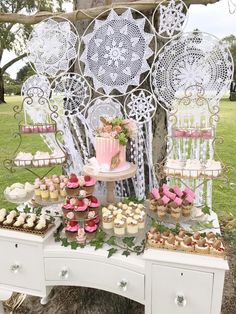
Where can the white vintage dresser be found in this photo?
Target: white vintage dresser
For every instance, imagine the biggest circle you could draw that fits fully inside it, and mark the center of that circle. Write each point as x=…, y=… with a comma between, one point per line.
x=165, y=282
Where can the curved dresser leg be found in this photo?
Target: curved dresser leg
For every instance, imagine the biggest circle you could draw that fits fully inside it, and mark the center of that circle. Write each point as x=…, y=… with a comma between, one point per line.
x=46, y=299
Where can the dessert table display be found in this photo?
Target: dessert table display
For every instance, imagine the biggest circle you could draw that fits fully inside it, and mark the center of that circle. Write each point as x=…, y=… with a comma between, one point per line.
x=150, y=234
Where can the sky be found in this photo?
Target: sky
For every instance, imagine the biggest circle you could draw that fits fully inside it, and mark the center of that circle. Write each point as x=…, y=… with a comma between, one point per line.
x=213, y=18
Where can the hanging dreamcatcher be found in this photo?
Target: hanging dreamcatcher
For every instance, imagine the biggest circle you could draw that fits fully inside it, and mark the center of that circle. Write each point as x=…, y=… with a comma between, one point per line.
x=116, y=51
x=52, y=46
x=140, y=106
x=170, y=18
x=192, y=59
x=70, y=96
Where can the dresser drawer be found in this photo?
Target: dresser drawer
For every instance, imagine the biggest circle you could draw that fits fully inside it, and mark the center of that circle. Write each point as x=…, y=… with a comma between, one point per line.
x=21, y=265
x=80, y=272
x=176, y=290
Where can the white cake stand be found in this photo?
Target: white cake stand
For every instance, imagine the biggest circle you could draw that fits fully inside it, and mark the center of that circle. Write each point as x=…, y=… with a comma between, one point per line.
x=111, y=177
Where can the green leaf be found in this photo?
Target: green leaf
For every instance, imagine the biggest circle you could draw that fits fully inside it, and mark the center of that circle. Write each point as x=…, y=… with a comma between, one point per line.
x=111, y=252
x=64, y=242
x=206, y=210
x=111, y=240
x=116, y=121
x=122, y=138
x=97, y=244
x=74, y=245
x=126, y=253
x=129, y=241
x=100, y=235
x=27, y=209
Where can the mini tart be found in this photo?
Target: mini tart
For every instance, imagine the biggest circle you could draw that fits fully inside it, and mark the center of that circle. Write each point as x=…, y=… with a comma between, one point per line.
x=159, y=244
x=202, y=247
x=217, y=248
x=196, y=237
x=171, y=243
x=187, y=245
x=180, y=236
x=210, y=238
x=119, y=227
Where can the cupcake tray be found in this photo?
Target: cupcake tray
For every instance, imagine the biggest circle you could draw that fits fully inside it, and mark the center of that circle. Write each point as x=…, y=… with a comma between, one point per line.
x=49, y=202
x=31, y=231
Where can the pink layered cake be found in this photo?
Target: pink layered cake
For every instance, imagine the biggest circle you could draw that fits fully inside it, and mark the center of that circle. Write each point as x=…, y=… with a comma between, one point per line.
x=111, y=140
x=108, y=149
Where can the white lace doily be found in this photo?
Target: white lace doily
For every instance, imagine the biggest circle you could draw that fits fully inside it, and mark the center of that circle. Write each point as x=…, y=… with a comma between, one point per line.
x=102, y=107
x=70, y=93
x=52, y=46
x=116, y=51
x=140, y=106
x=37, y=81
x=192, y=59
x=170, y=18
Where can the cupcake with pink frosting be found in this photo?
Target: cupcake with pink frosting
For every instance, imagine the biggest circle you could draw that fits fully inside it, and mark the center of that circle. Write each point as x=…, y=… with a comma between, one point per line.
x=91, y=224
x=72, y=226
x=72, y=186
x=89, y=184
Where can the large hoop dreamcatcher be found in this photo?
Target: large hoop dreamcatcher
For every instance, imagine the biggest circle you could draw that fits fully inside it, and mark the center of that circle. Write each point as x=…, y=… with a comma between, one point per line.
x=70, y=96
x=52, y=46
x=116, y=51
x=192, y=59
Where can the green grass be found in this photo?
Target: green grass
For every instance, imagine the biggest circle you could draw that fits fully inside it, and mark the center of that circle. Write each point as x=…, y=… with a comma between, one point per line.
x=224, y=198
x=8, y=145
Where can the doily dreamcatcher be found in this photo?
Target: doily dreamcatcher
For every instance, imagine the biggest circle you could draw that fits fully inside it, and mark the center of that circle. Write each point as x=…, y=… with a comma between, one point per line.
x=52, y=46
x=70, y=93
x=102, y=107
x=190, y=60
x=38, y=81
x=116, y=51
x=70, y=96
x=140, y=106
x=170, y=18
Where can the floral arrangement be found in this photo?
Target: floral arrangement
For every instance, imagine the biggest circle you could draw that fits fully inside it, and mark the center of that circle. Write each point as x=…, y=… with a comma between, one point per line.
x=117, y=128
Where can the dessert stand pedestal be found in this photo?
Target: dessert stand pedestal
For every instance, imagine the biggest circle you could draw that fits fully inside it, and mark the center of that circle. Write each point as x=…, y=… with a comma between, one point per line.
x=110, y=178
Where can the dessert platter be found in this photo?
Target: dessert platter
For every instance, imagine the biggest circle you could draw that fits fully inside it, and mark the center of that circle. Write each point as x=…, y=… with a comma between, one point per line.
x=20, y=221
x=196, y=243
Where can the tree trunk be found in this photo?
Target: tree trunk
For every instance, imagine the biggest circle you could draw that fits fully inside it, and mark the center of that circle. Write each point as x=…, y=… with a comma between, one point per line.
x=2, y=99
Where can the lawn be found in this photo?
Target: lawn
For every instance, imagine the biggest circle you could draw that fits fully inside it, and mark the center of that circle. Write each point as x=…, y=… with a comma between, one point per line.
x=224, y=198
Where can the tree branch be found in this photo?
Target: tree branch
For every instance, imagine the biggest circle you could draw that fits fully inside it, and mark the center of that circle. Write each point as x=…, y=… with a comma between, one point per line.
x=91, y=13
x=10, y=63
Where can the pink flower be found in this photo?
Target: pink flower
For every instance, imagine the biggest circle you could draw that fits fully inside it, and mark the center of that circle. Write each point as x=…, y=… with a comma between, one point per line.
x=117, y=129
x=132, y=128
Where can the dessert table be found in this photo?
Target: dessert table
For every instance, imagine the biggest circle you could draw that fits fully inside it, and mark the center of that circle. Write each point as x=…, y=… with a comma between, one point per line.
x=110, y=178
x=164, y=281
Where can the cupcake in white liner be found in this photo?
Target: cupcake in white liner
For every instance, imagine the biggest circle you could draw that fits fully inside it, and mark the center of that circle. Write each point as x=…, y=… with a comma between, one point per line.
x=119, y=227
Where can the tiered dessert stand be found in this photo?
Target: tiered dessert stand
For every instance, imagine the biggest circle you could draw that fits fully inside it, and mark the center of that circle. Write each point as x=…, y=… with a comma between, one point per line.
x=34, y=98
